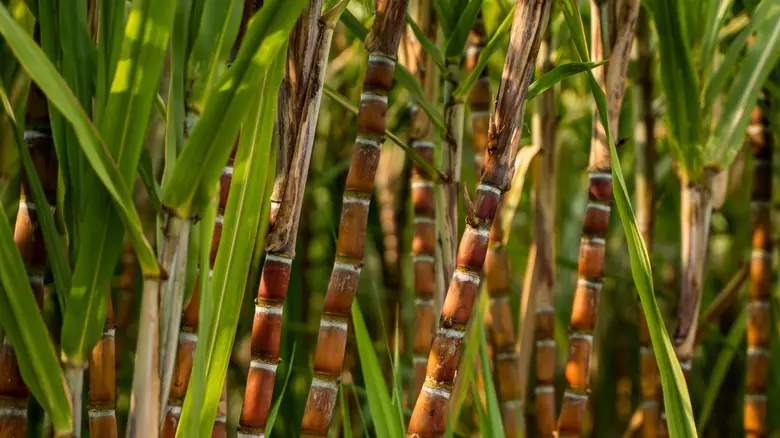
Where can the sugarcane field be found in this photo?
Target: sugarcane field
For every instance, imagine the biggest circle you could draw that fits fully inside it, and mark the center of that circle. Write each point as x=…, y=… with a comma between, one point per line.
x=389, y=218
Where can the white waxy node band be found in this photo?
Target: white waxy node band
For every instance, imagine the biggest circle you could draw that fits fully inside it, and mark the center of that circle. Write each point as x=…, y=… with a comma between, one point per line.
x=427, y=302
x=188, y=337
x=466, y=277
x=333, y=324
x=174, y=410
x=329, y=385
x=482, y=234
x=423, y=144
x=268, y=310
x=221, y=419
x=278, y=259
x=260, y=365
x=423, y=259
x=600, y=207
x=364, y=141
x=424, y=220
x=549, y=343
x=357, y=200
x=600, y=175
x=369, y=97
x=417, y=360
x=435, y=391
x=383, y=59
x=250, y=435
x=489, y=188
x=109, y=333
x=450, y=333
x=13, y=412
x=589, y=284
x=102, y=413
x=227, y=170
x=544, y=389
x=480, y=114
x=583, y=336
x=341, y=266
x=575, y=396
x=422, y=184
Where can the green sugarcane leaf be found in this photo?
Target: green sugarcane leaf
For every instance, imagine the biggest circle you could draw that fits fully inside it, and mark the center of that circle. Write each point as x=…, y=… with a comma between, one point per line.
x=679, y=413
x=495, y=41
x=216, y=34
x=57, y=91
x=680, y=86
x=193, y=179
x=274, y=411
x=112, y=22
x=429, y=47
x=725, y=143
x=714, y=85
x=129, y=104
x=402, y=75
x=146, y=172
x=552, y=77
x=466, y=366
x=491, y=398
x=174, y=128
x=24, y=326
x=717, y=13
x=722, y=363
x=55, y=250
x=457, y=38
x=246, y=217
x=386, y=423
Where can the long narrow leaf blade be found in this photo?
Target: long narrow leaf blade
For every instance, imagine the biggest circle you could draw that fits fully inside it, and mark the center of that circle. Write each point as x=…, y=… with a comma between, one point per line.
x=23, y=324
x=677, y=402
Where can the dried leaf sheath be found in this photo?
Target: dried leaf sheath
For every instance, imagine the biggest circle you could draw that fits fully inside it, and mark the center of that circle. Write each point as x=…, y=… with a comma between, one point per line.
x=430, y=411
x=480, y=96
x=590, y=268
x=382, y=44
x=28, y=237
x=423, y=206
x=759, y=305
x=188, y=333
x=102, y=382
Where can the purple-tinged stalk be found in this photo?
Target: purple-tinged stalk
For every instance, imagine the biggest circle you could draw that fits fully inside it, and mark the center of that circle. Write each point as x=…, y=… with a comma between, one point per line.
x=382, y=44
x=429, y=417
x=590, y=269
x=480, y=95
x=759, y=305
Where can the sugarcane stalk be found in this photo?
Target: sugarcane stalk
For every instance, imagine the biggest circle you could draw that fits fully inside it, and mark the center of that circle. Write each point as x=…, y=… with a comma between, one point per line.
x=143, y=420
x=645, y=199
x=220, y=422
x=590, y=268
x=538, y=331
x=382, y=44
x=759, y=306
x=126, y=285
x=429, y=417
x=480, y=95
x=102, y=382
x=423, y=204
x=187, y=336
x=28, y=237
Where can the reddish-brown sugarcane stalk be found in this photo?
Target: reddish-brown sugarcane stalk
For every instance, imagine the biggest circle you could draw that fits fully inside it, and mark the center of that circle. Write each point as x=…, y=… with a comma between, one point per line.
x=759, y=306
x=102, y=382
x=541, y=265
x=645, y=198
x=423, y=204
x=382, y=44
x=590, y=268
x=188, y=332
x=480, y=96
x=280, y=242
x=28, y=238
x=429, y=417
x=220, y=422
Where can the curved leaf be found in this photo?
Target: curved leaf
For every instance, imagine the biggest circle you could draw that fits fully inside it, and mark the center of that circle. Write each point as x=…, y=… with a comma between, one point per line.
x=24, y=326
